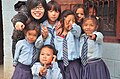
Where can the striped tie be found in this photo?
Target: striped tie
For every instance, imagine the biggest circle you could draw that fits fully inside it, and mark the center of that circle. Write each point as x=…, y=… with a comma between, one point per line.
x=52, y=34
x=65, y=53
x=35, y=55
x=84, y=51
x=43, y=77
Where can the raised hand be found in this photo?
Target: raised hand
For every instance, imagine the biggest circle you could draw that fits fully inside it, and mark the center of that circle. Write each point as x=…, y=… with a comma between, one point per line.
x=44, y=30
x=19, y=26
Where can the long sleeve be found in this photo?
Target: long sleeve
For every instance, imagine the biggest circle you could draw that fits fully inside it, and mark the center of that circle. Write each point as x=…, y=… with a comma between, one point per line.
x=39, y=42
x=76, y=31
x=54, y=73
x=17, y=53
x=99, y=38
x=35, y=70
x=19, y=17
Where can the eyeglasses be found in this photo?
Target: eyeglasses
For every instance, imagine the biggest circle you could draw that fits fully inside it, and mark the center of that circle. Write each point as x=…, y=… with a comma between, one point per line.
x=38, y=7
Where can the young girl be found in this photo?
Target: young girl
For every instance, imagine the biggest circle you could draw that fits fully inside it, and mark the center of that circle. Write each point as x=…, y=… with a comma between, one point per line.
x=24, y=51
x=32, y=10
x=54, y=11
x=67, y=43
x=91, y=50
x=47, y=67
x=80, y=12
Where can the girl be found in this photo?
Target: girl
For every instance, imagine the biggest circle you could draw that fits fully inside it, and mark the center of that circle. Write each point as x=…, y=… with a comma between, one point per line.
x=33, y=10
x=66, y=44
x=47, y=67
x=54, y=11
x=80, y=12
x=93, y=66
x=24, y=52
x=92, y=10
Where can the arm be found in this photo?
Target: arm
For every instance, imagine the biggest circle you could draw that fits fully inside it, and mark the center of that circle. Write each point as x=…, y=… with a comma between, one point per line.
x=36, y=69
x=56, y=71
x=76, y=31
x=39, y=42
x=17, y=53
x=22, y=15
x=99, y=37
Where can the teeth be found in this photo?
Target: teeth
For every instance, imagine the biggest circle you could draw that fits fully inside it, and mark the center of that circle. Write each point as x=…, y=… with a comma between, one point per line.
x=37, y=14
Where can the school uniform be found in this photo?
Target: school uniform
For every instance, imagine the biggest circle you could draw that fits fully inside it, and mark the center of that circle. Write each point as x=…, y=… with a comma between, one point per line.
x=23, y=59
x=51, y=35
x=53, y=72
x=72, y=70
x=95, y=67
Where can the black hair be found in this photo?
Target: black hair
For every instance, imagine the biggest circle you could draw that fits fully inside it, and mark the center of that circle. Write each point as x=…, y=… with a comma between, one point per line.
x=33, y=26
x=50, y=47
x=75, y=7
x=64, y=14
x=94, y=7
x=34, y=3
x=92, y=18
x=53, y=5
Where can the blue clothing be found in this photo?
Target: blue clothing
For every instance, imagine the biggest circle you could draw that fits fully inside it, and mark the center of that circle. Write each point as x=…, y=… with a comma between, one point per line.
x=40, y=41
x=52, y=28
x=94, y=46
x=72, y=43
x=23, y=52
x=53, y=73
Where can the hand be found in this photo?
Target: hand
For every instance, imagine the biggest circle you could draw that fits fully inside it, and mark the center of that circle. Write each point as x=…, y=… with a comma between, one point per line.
x=92, y=36
x=54, y=58
x=19, y=26
x=43, y=70
x=44, y=31
x=58, y=29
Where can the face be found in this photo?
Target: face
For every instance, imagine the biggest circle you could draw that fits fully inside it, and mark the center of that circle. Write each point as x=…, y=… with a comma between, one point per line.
x=68, y=21
x=89, y=26
x=53, y=15
x=92, y=11
x=38, y=12
x=80, y=14
x=46, y=55
x=31, y=36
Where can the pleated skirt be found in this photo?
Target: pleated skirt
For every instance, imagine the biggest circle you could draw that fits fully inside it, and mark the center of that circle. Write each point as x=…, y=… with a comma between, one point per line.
x=22, y=72
x=95, y=69
x=72, y=71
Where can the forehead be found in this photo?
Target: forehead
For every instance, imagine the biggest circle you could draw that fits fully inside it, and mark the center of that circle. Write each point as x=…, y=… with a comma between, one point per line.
x=46, y=50
x=79, y=10
x=70, y=16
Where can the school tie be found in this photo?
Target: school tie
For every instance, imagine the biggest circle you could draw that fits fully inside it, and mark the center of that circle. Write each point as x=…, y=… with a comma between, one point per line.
x=65, y=52
x=43, y=77
x=84, y=51
x=35, y=55
x=52, y=34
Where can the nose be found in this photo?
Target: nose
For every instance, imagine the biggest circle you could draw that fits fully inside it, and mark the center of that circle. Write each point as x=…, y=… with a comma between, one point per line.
x=79, y=15
x=53, y=13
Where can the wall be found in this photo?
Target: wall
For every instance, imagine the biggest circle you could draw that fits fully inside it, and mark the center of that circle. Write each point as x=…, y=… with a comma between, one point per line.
x=111, y=53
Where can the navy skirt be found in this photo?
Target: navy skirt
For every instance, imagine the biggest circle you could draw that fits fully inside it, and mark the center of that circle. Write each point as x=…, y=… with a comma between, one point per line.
x=22, y=72
x=72, y=70
x=95, y=69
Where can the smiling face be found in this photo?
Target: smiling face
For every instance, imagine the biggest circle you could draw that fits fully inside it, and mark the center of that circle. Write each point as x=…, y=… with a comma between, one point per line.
x=46, y=55
x=31, y=36
x=53, y=15
x=68, y=21
x=89, y=26
x=38, y=12
x=80, y=14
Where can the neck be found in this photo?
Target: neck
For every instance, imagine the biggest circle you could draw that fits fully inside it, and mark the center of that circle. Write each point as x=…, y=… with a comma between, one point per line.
x=51, y=22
